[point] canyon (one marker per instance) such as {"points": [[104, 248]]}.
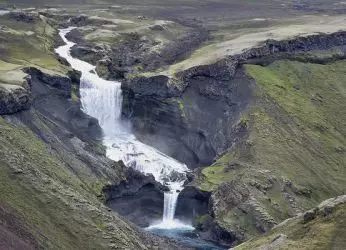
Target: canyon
{"points": [[236, 146]]}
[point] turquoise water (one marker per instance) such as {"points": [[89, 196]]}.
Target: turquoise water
{"points": [[188, 238]]}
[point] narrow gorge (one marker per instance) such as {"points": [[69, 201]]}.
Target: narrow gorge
{"points": [[102, 100], [175, 125]]}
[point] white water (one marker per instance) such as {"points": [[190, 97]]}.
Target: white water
{"points": [[4, 12], [103, 99]]}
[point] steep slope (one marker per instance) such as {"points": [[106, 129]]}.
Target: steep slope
{"points": [[320, 228], [293, 154], [53, 167]]}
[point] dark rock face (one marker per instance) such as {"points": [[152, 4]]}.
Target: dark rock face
{"points": [[23, 17], [269, 51], [192, 123], [192, 118], [75, 36], [139, 198], [74, 75], [87, 53], [211, 231], [61, 83], [14, 99], [192, 203], [195, 206], [134, 53], [52, 97]]}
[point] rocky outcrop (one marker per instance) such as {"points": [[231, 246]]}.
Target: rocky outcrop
{"points": [[174, 111], [139, 198], [324, 209], [265, 53], [192, 123], [294, 233], [192, 204], [84, 20], [88, 53], [59, 82], [75, 76], [19, 16], [134, 51], [13, 98], [51, 95]]}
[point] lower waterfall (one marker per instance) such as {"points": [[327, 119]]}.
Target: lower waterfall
{"points": [[102, 99]]}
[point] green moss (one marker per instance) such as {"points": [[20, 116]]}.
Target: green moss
{"points": [[23, 158], [29, 44], [62, 209], [314, 98], [216, 174], [294, 134], [97, 188], [321, 233], [181, 108]]}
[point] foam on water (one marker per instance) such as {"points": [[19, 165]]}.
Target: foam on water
{"points": [[103, 100]]}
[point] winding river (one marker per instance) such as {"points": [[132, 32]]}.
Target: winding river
{"points": [[102, 99]]}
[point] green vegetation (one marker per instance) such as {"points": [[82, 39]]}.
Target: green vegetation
{"points": [[29, 44], [324, 232], [217, 173], [62, 210], [295, 144], [56, 192]]}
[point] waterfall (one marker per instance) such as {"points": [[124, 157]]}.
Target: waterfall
{"points": [[102, 99], [169, 206]]}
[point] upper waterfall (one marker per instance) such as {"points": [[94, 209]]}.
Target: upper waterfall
{"points": [[102, 99]]}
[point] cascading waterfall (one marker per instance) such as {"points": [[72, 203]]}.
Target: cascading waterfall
{"points": [[103, 99]]}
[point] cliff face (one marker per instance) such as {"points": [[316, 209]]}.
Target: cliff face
{"points": [[13, 99], [194, 124], [198, 110], [270, 51], [14, 92], [274, 128]]}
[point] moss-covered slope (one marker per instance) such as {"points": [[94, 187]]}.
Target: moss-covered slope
{"points": [[321, 228], [59, 208], [293, 155]]}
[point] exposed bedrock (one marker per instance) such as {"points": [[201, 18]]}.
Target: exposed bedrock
{"points": [[269, 51], [62, 179], [135, 52], [52, 96], [192, 117], [59, 82], [192, 203], [139, 198], [193, 123], [196, 206], [14, 98]]}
